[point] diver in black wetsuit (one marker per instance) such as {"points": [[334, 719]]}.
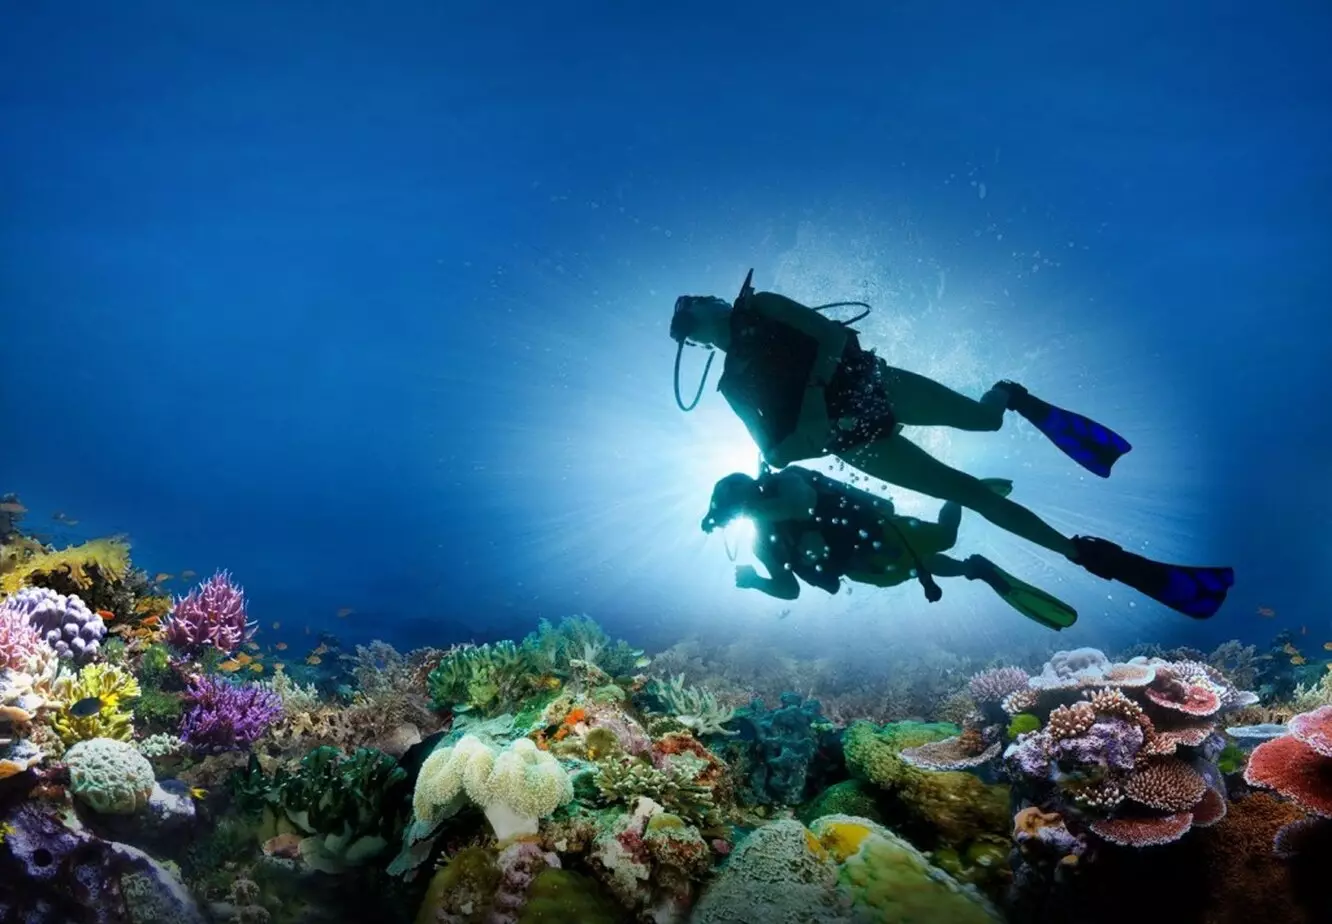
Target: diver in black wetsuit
{"points": [[820, 530], [805, 388]]}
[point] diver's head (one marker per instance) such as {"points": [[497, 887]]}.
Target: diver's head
{"points": [[731, 497], [702, 319]]}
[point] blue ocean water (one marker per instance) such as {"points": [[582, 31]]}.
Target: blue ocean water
{"points": [[369, 303]]}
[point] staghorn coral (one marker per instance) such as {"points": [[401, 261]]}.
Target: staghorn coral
{"points": [[693, 707], [223, 716], [1070, 721], [675, 787], [993, 686]]}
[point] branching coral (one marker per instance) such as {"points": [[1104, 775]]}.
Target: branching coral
{"points": [[693, 707], [212, 615], [490, 679], [674, 786], [224, 716]]}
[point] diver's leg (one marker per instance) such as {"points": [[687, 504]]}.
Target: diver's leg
{"points": [[945, 566], [922, 402], [898, 461]]}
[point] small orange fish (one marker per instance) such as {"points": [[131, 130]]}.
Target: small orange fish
{"points": [[277, 625], [1290, 649], [345, 612], [322, 649], [150, 622], [1327, 646], [106, 615], [314, 659], [12, 507], [230, 666], [1297, 660], [257, 668], [162, 577], [242, 659], [281, 646], [1266, 612]]}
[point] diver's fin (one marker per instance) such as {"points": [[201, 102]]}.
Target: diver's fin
{"points": [[1001, 486], [1031, 602], [1093, 446], [1193, 591]]}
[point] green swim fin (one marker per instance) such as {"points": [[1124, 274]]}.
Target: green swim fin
{"points": [[1031, 602]]}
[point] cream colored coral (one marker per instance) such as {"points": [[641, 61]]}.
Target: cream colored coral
{"points": [[110, 776], [445, 777]]}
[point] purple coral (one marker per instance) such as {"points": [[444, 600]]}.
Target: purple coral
{"points": [[226, 717], [64, 622], [994, 685], [212, 615], [1112, 743]]}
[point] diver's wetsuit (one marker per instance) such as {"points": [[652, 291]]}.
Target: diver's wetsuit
{"points": [[852, 523], [770, 365]]}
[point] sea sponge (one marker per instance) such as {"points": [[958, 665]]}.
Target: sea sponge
{"points": [[110, 776], [106, 682], [892, 882]]}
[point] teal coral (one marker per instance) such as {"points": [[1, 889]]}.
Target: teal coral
{"points": [[557, 647], [110, 776]]}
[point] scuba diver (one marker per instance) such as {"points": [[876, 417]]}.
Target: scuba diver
{"points": [[820, 530], [804, 388]]}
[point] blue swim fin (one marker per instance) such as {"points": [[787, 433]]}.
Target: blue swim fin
{"points": [[1093, 446], [1193, 591]]}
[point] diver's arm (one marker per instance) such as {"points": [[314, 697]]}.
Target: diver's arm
{"points": [[782, 585]]}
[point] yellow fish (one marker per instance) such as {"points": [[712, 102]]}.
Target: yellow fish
{"points": [[230, 667], [314, 659], [282, 646], [162, 578], [1297, 660], [1327, 646], [1290, 649], [242, 659], [199, 792], [257, 668]]}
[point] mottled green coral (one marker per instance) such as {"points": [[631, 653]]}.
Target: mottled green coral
{"points": [[892, 881], [624, 779], [560, 896], [463, 888], [1232, 759], [155, 709], [555, 647], [849, 797], [155, 665], [954, 806], [109, 775]]}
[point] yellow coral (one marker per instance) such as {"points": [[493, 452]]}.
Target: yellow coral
{"points": [[109, 556], [112, 685], [843, 838]]}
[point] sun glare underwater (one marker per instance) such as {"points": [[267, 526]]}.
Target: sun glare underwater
{"points": [[366, 557]]}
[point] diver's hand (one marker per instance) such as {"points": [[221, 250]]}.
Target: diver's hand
{"points": [[746, 577]]}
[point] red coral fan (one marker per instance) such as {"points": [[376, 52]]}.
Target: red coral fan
{"points": [[1314, 729], [1143, 832], [1187, 698], [1295, 770], [1167, 784], [1210, 810], [1164, 741]]}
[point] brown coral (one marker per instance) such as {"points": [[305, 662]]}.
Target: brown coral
{"points": [[1021, 701], [1112, 701], [1071, 721], [1167, 784]]}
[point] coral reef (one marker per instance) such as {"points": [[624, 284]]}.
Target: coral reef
{"points": [[212, 615], [225, 717], [64, 622]]}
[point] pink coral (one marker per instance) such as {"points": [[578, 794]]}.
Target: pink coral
{"points": [[955, 753], [1190, 699], [1143, 832], [1295, 770], [19, 640], [1211, 809], [1314, 729], [994, 685], [212, 615]]}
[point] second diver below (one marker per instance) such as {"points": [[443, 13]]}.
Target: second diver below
{"points": [[820, 530], [804, 388]]}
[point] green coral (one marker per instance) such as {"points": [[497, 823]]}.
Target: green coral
{"points": [[1022, 723], [556, 647], [155, 666], [489, 679], [1232, 759], [340, 804], [109, 775], [559, 895], [623, 780], [849, 797], [952, 807], [463, 888], [155, 709]]}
